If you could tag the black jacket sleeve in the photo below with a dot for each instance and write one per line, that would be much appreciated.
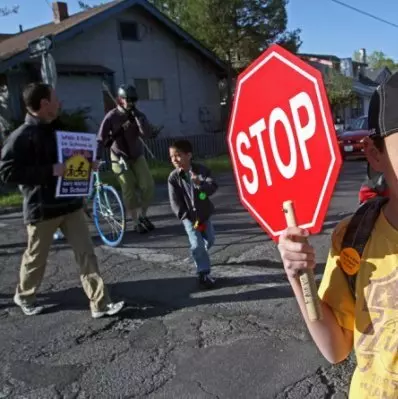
(177, 202)
(17, 163)
(208, 185)
(104, 135)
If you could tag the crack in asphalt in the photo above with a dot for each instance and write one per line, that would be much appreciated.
(233, 243)
(166, 370)
(331, 391)
(203, 389)
(237, 328)
(201, 339)
(70, 392)
(309, 387)
(161, 377)
(52, 348)
(96, 334)
(6, 389)
(4, 314)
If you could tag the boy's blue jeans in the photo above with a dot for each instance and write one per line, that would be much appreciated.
(200, 244)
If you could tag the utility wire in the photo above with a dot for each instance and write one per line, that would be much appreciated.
(365, 13)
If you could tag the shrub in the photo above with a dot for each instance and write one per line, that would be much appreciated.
(75, 120)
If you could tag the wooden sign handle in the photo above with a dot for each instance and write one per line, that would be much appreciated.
(307, 279)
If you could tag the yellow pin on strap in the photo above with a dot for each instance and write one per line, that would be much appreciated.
(350, 261)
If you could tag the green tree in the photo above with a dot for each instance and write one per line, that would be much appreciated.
(236, 30)
(4, 11)
(339, 89)
(85, 6)
(377, 60)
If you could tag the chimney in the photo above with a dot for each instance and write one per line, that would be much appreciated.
(362, 55)
(346, 67)
(60, 11)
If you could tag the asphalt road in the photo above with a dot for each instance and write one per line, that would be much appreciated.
(242, 340)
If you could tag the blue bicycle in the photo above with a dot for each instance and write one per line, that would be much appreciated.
(108, 209)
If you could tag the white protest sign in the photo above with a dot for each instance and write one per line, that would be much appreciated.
(77, 151)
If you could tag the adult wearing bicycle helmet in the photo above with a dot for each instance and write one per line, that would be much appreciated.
(122, 131)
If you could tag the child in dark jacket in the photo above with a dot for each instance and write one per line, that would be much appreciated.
(190, 186)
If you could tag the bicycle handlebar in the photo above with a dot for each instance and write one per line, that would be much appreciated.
(122, 164)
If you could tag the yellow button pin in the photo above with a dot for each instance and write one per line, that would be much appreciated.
(350, 261)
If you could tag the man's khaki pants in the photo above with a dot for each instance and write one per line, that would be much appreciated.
(34, 260)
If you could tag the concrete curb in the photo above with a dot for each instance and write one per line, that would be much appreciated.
(11, 209)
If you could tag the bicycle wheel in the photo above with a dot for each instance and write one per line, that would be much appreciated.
(108, 208)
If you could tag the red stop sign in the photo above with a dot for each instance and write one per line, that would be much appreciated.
(282, 141)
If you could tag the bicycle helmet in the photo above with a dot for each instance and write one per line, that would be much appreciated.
(128, 92)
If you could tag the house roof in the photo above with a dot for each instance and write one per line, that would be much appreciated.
(321, 67)
(328, 57)
(378, 75)
(4, 36)
(78, 69)
(320, 56)
(366, 80)
(363, 88)
(20, 42)
(15, 49)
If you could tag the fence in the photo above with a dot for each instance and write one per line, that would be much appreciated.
(205, 146)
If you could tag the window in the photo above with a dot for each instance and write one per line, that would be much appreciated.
(129, 31)
(360, 124)
(149, 89)
(357, 108)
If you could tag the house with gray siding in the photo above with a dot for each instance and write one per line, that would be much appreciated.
(129, 41)
(362, 85)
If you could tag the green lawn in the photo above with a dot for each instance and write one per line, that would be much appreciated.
(160, 172)
(10, 200)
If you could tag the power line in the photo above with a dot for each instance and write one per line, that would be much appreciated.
(365, 13)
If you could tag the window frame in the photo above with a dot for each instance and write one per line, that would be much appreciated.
(150, 91)
(137, 28)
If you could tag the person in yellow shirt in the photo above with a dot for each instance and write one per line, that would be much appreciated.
(359, 288)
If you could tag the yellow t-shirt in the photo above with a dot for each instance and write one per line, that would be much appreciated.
(373, 317)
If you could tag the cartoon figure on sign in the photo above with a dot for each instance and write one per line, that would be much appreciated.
(77, 168)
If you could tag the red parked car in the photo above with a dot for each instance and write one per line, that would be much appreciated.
(351, 140)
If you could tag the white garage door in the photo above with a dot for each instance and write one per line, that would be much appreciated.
(80, 92)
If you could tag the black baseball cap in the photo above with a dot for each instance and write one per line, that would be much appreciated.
(383, 113)
(383, 108)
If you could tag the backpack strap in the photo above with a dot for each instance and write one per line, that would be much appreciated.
(359, 230)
